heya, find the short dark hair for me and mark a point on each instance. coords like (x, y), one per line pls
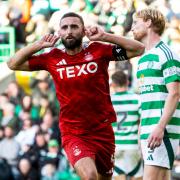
(72, 14)
(119, 78)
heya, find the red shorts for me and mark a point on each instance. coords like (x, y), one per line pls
(97, 145)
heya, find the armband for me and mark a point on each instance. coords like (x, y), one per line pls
(119, 53)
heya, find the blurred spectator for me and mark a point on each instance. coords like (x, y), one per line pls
(40, 142)
(27, 172)
(41, 88)
(30, 154)
(5, 170)
(28, 106)
(45, 105)
(1, 133)
(49, 172)
(26, 135)
(9, 149)
(14, 92)
(15, 15)
(23, 116)
(41, 7)
(56, 16)
(51, 160)
(49, 127)
(4, 10)
(40, 147)
(36, 152)
(128, 20)
(37, 26)
(172, 34)
(173, 9)
(8, 118)
(126, 67)
(3, 99)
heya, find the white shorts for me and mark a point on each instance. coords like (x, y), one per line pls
(163, 155)
(128, 162)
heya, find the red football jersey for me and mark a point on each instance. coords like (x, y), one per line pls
(82, 86)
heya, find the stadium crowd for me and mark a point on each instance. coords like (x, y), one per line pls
(29, 134)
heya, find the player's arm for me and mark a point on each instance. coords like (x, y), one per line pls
(172, 100)
(130, 48)
(20, 60)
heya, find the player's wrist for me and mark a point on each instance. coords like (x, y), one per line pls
(105, 37)
(38, 45)
(161, 126)
(109, 38)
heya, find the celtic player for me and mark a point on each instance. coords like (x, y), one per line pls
(127, 154)
(158, 75)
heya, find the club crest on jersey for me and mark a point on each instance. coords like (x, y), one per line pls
(141, 80)
(150, 65)
(76, 151)
(88, 56)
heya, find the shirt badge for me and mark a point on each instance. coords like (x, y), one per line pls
(88, 56)
(76, 151)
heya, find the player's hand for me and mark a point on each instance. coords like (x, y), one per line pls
(94, 33)
(48, 40)
(155, 138)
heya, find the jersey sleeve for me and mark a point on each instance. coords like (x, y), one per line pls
(39, 62)
(107, 51)
(171, 70)
(114, 52)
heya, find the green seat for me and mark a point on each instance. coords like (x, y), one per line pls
(7, 43)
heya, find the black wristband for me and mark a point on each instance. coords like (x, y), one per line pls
(119, 53)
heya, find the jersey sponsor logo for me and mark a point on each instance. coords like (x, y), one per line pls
(62, 62)
(76, 151)
(171, 71)
(78, 70)
(147, 88)
(144, 88)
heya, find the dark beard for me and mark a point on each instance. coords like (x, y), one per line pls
(73, 44)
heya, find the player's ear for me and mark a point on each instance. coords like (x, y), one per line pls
(149, 23)
(84, 31)
(58, 33)
(112, 84)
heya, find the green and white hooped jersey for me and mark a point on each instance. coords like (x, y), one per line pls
(126, 106)
(157, 68)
